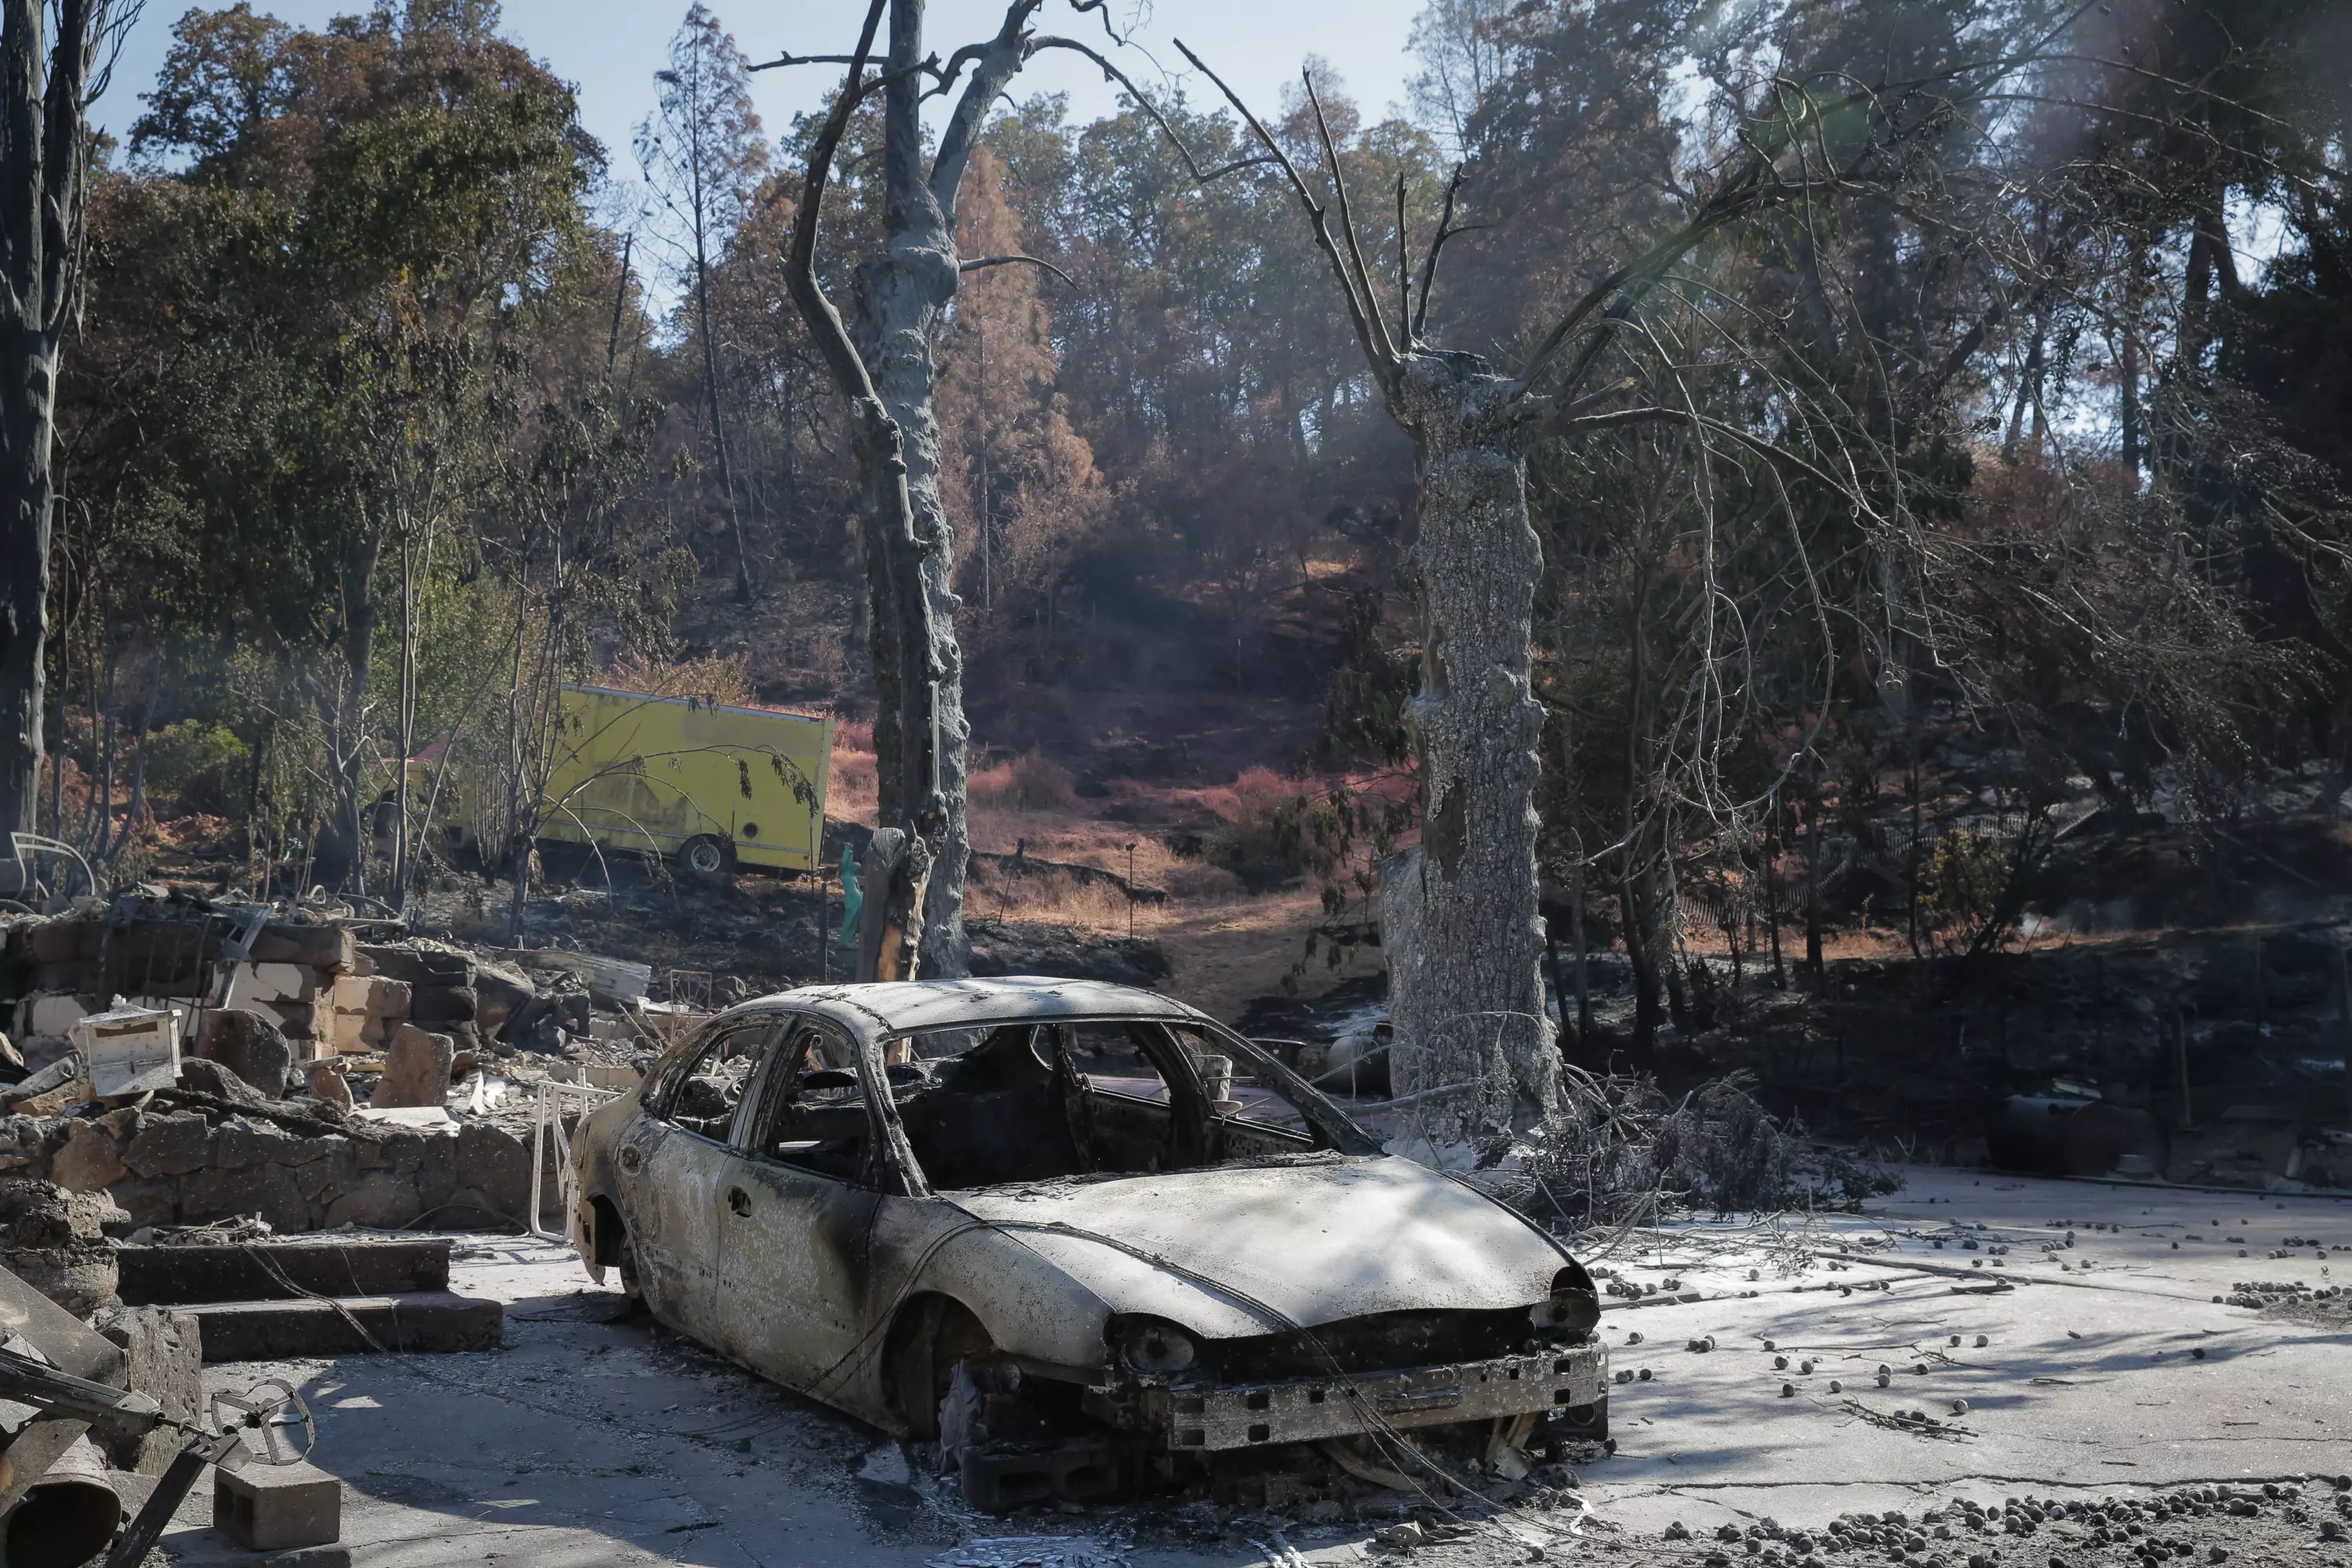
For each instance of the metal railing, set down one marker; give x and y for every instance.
(25, 845)
(547, 1128)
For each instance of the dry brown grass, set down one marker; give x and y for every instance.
(1053, 898)
(855, 792)
(1030, 782)
(719, 677)
(1228, 945)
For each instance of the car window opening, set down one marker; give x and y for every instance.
(700, 1091)
(817, 1118)
(1032, 1102)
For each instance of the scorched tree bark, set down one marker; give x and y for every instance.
(44, 179)
(881, 362)
(1461, 927)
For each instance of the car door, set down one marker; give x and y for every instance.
(674, 1162)
(797, 1221)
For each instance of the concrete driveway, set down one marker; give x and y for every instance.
(2106, 1365)
(586, 1441)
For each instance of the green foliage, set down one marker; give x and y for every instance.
(1960, 887)
(203, 765)
(1370, 682)
(321, 354)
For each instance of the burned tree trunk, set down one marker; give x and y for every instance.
(900, 298)
(44, 156)
(1465, 947)
(1466, 901)
(884, 367)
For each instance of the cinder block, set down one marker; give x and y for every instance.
(53, 1015)
(349, 1036)
(286, 981)
(1085, 1470)
(267, 1507)
(254, 987)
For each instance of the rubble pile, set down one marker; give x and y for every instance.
(319, 1070)
(2207, 1524)
(56, 1241)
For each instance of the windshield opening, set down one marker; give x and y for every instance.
(1085, 1097)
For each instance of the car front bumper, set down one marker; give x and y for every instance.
(1247, 1416)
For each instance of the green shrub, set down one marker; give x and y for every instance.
(1960, 885)
(202, 766)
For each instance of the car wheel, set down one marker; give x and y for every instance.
(930, 1337)
(707, 855)
(633, 1289)
(1579, 1424)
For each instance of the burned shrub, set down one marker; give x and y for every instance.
(1621, 1147)
(1722, 1149)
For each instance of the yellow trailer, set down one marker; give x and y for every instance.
(710, 786)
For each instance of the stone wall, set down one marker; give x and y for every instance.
(192, 1165)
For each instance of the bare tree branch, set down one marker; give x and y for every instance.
(1737, 196)
(1375, 346)
(1112, 73)
(1348, 219)
(926, 67)
(1445, 231)
(975, 263)
(832, 338)
(1404, 269)
(997, 60)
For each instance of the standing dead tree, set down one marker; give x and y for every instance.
(44, 96)
(881, 363)
(1460, 921)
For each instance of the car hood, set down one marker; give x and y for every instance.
(1235, 1250)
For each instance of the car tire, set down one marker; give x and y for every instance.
(706, 855)
(1579, 1424)
(932, 1335)
(633, 1289)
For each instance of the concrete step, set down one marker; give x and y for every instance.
(180, 1276)
(410, 1321)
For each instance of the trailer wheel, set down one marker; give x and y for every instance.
(707, 855)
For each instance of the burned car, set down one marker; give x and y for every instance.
(1082, 1236)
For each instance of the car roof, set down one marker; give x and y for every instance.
(911, 1006)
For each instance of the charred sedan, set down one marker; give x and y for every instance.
(1080, 1236)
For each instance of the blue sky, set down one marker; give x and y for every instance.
(610, 49)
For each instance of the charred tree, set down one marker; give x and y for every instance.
(1461, 924)
(880, 360)
(46, 88)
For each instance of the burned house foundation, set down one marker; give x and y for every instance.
(297, 1072)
